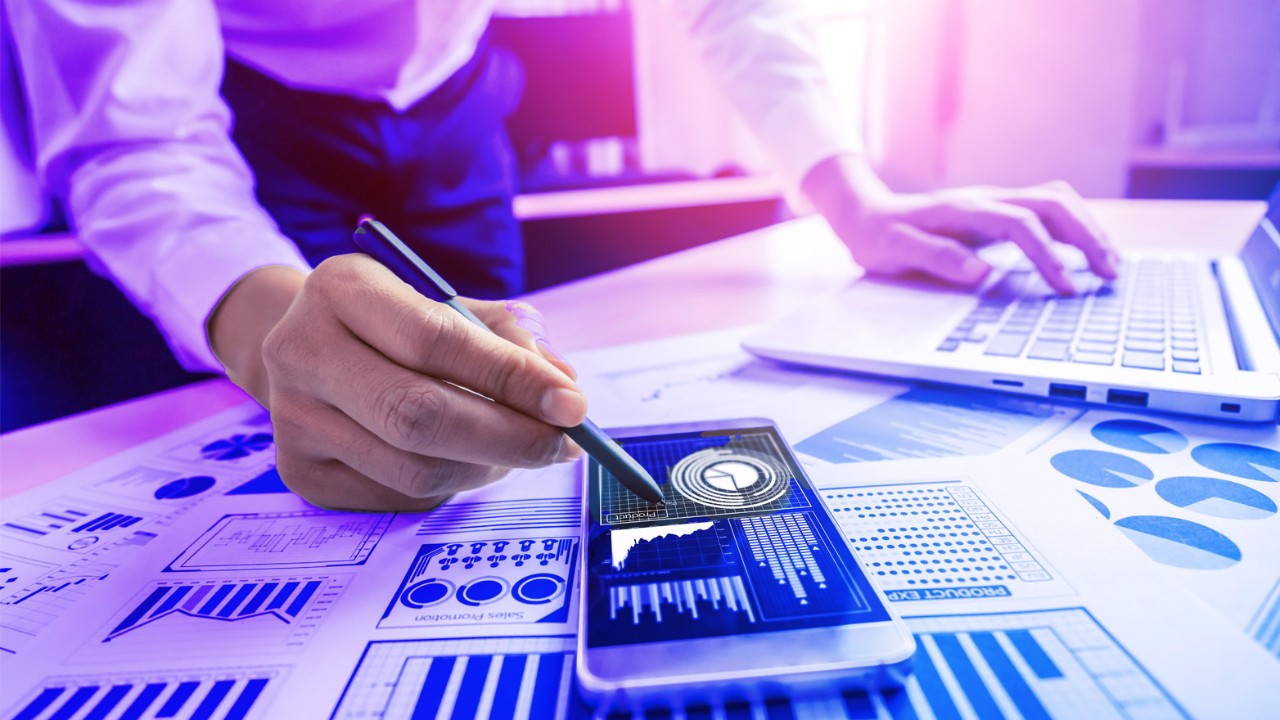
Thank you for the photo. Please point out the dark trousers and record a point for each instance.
(439, 174)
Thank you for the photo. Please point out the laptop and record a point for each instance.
(1178, 332)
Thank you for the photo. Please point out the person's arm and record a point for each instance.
(130, 129)
(362, 376)
(764, 56)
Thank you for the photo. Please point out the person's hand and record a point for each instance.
(384, 400)
(937, 233)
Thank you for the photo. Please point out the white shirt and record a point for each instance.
(129, 125)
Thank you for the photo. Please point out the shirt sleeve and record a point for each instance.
(130, 128)
(765, 58)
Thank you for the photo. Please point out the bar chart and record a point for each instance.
(1040, 664)
(193, 618)
(198, 695)
(75, 525)
(470, 678)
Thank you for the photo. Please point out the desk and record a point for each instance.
(743, 280)
(752, 278)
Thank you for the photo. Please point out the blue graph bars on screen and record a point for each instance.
(470, 678)
(785, 543)
(222, 601)
(681, 596)
(227, 696)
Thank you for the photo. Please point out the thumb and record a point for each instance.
(942, 257)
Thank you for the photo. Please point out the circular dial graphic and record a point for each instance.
(726, 478)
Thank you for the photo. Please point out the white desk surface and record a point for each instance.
(751, 278)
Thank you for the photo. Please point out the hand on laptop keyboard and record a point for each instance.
(937, 232)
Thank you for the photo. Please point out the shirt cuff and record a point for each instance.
(193, 278)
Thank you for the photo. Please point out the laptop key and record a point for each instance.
(1049, 350)
(1055, 335)
(1108, 348)
(1144, 360)
(949, 345)
(1186, 367)
(1093, 358)
(1186, 355)
(1007, 344)
(1185, 345)
(1151, 346)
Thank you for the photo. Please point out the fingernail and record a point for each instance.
(546, 347)
(563, 407)
(973, 269)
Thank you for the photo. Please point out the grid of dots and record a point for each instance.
(931, 536)
(619, 506)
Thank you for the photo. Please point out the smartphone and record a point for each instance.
(739, 586)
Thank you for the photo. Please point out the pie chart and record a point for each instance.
(1101, 468)
(1219, 498)
(1251, 462)
(1140, 436)
(1097, 504)
(1180, 543)
(731, 475)
(184, 487)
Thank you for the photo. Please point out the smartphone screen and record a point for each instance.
(741, 545)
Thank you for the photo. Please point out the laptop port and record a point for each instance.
(1132, 398)
(1007, 383)
(1063, 390)
(1231, 408)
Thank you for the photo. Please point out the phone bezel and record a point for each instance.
(846, 655)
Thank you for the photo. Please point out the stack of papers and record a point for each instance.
(1052, 561)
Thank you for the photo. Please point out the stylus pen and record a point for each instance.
(374, 239)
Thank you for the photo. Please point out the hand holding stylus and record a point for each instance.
(363, 377)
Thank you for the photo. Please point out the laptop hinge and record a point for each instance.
(1255, 351)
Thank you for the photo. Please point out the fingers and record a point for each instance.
(1063, 213)
(334, 462)
(988, 219)
(421, 415)
(522, 324)
(941, 257)
(434, 340)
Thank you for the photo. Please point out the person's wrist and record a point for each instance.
(843, 187)
(242, 319)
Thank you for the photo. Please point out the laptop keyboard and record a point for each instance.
(1147, 319)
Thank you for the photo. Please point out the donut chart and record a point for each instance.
(426, 593)
(538, 589)
(729, 478)
(482, 591)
